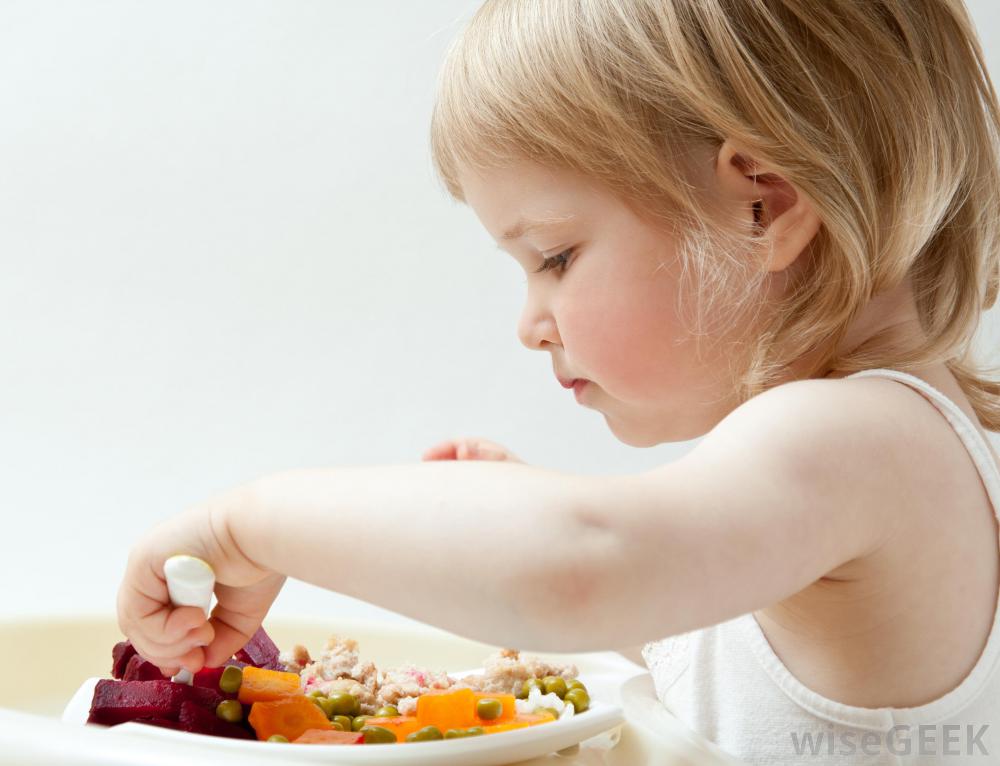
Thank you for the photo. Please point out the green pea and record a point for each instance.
(344, 704)
(455, 734)
(474, 731)
(489, 709)
(230, 710)
(326, 705)
(359, 722)
(554, 685)
(550, 710)
(386, 711)
(377, 735)
(231, 679)
(277, 738)
(579, 698)
(575, 684)
(344, 721)
(425, 734)
(337, 726)
(316, 694)
(527, 686)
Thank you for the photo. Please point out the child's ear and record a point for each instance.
(786, 218)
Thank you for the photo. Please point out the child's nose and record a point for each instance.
(536, 327)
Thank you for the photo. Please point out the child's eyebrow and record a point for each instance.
(525, 225)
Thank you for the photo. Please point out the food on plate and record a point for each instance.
(337, 698)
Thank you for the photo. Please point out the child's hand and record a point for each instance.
(470, 448)
(172, 638)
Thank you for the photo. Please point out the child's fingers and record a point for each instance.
(181, 621)
(442, 451)
(237, 616)
(193, 659)
(469, 448)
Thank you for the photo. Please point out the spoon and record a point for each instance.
(190, 582)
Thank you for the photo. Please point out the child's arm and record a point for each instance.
(778, 494)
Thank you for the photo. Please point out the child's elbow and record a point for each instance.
(571, 593)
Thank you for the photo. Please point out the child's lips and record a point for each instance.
(577, 384)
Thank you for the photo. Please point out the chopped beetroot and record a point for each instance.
(123, 651)
(197, 719)
(203, 696)
(260, 652)
(116, 702)
(208, 677)
(139, 669)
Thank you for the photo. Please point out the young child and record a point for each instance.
(771, 224)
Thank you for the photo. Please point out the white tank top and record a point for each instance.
(726, 683)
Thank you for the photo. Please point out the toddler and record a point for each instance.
(768, 223)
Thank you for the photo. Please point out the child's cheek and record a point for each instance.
(624, 336)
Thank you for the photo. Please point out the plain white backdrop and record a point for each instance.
(223, 252)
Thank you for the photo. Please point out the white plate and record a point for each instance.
(491, 750)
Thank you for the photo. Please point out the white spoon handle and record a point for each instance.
(190, 582)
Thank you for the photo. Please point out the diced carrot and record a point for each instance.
(400, 725)
(520, 721)
(290, 716)
(447, 709)
(509, 708)
(329, 737)
(260, 685)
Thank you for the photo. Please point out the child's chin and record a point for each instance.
(650, 434)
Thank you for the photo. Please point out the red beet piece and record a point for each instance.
(208, 677)
(200, 721)
(260, 652)
(139, 669)
(122, 652)
(116, 702)
(203, 697)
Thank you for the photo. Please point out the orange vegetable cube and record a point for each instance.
(260, 685)
(447, 709)
(507, 700)
(290, 716)
(329, 737)
(520, 721)
(400, 725)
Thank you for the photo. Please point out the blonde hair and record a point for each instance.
(880, 111)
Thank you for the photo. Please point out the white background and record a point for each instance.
(223, 252)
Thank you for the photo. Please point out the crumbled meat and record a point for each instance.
(338, 670)
(407, 706)
(409, 681)
(296, 659)
(505, 672)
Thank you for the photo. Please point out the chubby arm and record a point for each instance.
(786, 489)
(465, 546)
(777, 495)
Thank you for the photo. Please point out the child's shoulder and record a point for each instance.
(876, 415)
(897, 456)
(868, 441)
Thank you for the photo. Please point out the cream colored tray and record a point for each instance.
(61, 653)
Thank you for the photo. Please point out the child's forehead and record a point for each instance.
(532, 192)
(526, 203)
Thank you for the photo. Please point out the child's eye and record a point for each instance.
(552, 262)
